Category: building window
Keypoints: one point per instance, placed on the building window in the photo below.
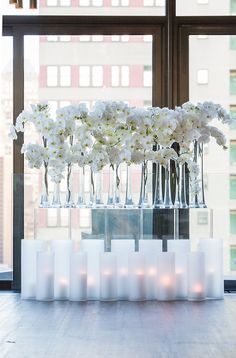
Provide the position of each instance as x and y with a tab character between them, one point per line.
65	2
233	114
51	2
120	3
84	3
120	76
52	38
97	38
147	76
147	38
202	218
232	149
84	76
159	3
65	38
202	77
233	222
202	2
65	76
52	76
232	187
232	42
147	104
117	38
233	258
97	76
233	82
84	38
233	7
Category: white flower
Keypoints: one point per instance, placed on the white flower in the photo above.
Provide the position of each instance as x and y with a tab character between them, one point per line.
12	133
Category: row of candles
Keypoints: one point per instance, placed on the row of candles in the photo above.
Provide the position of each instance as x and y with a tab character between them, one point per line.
65	271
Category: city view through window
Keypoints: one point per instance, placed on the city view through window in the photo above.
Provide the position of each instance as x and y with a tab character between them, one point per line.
64	70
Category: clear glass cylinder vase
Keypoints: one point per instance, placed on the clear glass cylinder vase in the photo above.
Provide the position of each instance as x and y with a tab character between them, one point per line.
158	194
44	201
182	186
98	189
56	200
81	194
168	204
117	200
143	197
110	197
197	199
92	198
129	203
69	203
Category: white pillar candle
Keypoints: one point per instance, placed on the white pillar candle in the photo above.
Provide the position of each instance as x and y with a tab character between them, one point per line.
166	276
93	248
181	248
78	276
45	276
137	285
62	250
196	276
150	249
29	249
213	250
122	248
108	276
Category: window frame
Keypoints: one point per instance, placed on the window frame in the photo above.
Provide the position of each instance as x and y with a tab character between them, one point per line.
170	58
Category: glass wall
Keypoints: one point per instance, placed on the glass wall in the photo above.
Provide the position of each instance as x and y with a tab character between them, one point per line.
205	7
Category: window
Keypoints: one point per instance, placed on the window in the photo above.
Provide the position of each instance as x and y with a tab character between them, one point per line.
202	2
51	2
65	76
52	76
84	76
97	76
233	82
52	38
233	7
232	42
233	114
202	77
120	76
202	218
97	38
154	3
233	222
85	38
120	3
233	258
65	2
65	38
202	37
232	149
147	76
232	187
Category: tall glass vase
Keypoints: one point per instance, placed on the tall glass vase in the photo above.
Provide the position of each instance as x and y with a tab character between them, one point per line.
198	198
92	201
69	203
177	185
81	195
182	186
117	200
110	197
98	189
167	195
56	200
128	191
158	194
44	201
143	197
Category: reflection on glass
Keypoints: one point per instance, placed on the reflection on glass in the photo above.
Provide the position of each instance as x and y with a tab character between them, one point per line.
218	85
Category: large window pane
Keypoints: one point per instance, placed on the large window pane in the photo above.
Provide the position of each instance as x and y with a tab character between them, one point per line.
219	165
205	7
6	160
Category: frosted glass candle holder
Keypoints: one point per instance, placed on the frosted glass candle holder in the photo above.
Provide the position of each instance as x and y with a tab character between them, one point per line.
29	249
108	276
122	248
150	249
213	250
45	276
181	248
166	276
62	250
93	248
78	276
196	276
137	284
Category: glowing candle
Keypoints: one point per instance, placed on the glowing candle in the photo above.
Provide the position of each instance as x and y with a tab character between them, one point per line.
108	276
196	276
137	285
78	276
45	276
166	276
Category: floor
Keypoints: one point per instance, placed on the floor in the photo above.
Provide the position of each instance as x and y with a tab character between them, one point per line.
33	329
